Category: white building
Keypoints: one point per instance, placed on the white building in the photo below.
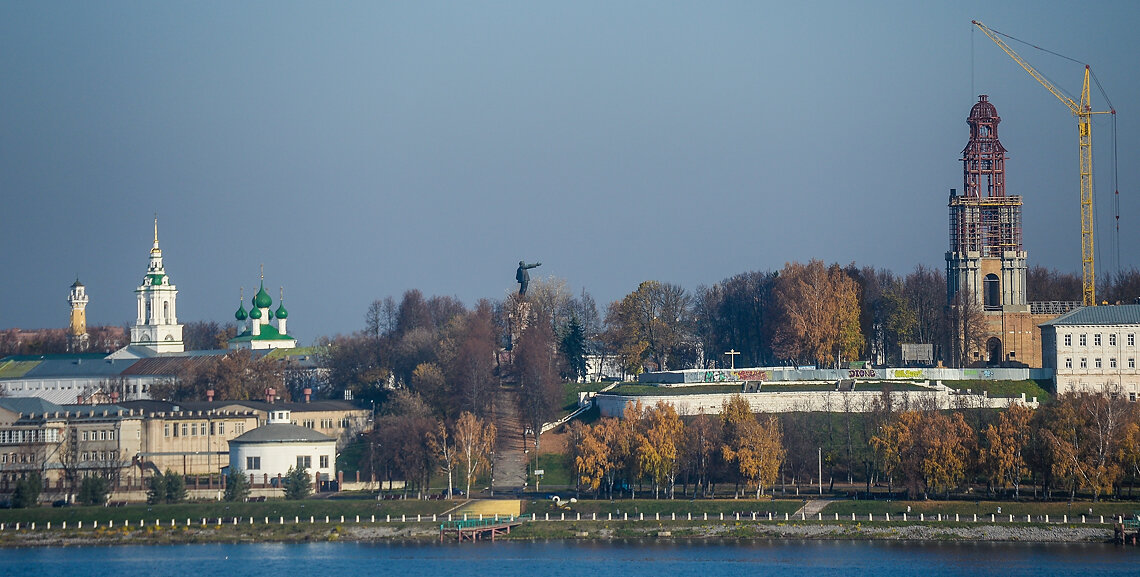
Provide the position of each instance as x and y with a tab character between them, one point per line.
156	329
1093	348
269	451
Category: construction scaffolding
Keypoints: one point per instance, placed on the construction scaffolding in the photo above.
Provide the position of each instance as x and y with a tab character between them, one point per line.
988	226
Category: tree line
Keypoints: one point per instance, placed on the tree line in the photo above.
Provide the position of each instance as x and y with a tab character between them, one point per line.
1079	443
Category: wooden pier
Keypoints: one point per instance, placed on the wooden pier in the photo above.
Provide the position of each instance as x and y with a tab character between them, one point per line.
476	529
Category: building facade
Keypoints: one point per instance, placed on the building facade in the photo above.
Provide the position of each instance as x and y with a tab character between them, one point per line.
1095	349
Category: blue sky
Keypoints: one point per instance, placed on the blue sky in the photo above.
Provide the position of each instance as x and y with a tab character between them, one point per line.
362	149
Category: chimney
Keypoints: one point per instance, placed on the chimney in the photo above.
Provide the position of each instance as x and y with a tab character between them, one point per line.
308	394
209	395
114	397
270	395
79	399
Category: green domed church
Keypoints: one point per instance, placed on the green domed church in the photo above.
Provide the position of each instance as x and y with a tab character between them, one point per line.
259	331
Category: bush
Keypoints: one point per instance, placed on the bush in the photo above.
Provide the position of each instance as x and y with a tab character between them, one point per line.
93	491
27	491
297	483
237	485
168	488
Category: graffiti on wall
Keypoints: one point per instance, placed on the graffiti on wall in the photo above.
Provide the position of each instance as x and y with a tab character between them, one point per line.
862	374
730	375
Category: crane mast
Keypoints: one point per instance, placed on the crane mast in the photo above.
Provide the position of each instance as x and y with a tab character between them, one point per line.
1083	111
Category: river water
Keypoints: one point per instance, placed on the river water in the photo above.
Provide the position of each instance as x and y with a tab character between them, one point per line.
578	559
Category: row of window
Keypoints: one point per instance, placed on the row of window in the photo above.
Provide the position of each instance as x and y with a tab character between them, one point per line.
325	423
303	462
1083	340
98	435
1098	364
199	429
99	455
19	436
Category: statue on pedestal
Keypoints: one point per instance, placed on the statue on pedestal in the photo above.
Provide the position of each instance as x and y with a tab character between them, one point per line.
523	277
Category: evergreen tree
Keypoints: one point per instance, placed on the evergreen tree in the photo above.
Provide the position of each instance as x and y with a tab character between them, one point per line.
573	349
156	489
27	491
237	485
175	487
93	491
297	483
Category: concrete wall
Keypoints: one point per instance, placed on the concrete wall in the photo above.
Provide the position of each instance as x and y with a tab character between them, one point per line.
780	374
828	401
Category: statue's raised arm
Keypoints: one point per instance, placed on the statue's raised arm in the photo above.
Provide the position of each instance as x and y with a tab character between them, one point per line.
522	276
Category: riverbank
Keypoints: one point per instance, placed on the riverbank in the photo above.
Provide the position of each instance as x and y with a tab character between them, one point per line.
569	530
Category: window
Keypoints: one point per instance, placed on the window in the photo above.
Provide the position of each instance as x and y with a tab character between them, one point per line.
239	428
1084	340
102	435
1096	363
185	430
176	429
1068	363
1112	363
111	435
1132	363
304	462
1112	340
1084	363
1096	340
222	428
252	463
1131	339
84	435
324	461
166	430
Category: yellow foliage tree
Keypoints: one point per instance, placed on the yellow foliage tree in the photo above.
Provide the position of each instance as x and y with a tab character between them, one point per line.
818	307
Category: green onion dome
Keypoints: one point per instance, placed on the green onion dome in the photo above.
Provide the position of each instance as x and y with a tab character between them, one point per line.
240	314
281	312
255	313
262	299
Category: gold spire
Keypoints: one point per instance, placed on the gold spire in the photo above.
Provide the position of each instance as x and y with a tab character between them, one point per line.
155	248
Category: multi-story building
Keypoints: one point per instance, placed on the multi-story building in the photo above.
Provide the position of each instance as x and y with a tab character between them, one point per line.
1094	349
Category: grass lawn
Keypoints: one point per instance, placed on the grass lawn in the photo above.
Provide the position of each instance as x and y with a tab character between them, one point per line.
1031	388
570	395
663	507
969	508
196	511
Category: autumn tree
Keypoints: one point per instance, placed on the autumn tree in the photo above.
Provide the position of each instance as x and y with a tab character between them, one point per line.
735	314
947	443
701	452
536	371
652	324
754	446
443	442
593	462
968	328
658	446
475	442
1002	454
818	314
357	364
472	368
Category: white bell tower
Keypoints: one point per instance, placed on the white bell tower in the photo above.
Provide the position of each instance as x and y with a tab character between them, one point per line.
156	326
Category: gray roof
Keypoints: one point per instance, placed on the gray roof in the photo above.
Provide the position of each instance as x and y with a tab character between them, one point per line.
1102	315
80	368
282	433
29	405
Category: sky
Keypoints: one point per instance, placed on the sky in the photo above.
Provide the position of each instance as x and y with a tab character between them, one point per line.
358	150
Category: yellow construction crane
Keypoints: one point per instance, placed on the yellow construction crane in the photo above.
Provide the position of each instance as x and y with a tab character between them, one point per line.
1083	111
